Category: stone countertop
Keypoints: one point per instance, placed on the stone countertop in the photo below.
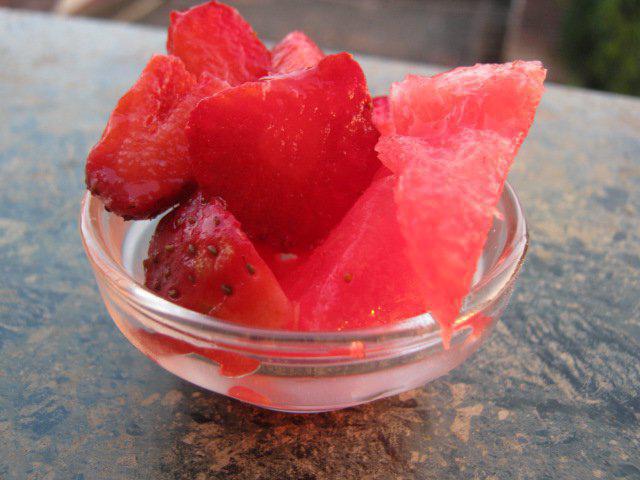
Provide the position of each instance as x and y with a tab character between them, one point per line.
555	392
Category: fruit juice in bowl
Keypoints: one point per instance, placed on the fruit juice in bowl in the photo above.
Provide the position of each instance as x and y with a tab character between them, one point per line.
401	242
294	371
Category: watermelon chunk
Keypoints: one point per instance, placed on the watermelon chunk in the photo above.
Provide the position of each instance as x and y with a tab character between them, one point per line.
214	38
282	264
361	275
456	137
140	166
446	198
381	115
290	154
296	51
200	258
501	98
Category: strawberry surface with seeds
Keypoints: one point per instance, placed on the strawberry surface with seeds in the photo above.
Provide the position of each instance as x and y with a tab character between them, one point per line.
200	258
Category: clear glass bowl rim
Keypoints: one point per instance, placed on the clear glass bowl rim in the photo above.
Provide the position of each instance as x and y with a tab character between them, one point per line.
421	330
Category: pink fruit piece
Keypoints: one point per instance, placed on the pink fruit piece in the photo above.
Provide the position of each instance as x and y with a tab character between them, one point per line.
496	97
140	166
296	51
381	116
361	275
454	139
446	197
200	258
290	154
215	39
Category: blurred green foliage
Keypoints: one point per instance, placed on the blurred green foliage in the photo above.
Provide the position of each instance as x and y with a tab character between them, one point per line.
602	44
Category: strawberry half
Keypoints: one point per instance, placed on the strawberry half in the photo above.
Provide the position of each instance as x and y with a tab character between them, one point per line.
290	154
215	39
140	165
200	258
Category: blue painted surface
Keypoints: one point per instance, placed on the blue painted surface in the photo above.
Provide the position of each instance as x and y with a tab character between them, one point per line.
554	394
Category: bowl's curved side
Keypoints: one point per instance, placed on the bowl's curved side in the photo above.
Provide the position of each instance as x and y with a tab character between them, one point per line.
298	371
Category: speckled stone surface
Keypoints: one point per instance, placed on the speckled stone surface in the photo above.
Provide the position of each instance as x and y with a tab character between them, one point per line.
554	394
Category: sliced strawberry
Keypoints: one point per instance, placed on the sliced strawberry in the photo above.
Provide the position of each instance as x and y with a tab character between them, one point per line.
290	154
296	51
361	275
200	258
214	38
140	166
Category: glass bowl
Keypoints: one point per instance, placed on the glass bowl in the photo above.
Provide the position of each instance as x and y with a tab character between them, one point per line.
295	371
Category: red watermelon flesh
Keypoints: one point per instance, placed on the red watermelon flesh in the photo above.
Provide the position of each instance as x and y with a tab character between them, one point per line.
215	39
456	137
360	276
497	97
290	154
382	116
200	258
140	166
446	197
296	51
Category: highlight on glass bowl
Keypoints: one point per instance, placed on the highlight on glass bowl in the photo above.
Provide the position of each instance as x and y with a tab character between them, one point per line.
260	226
